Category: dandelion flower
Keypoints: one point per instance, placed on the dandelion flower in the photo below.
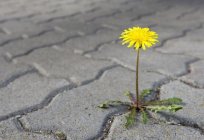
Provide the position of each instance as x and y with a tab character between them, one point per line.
138	37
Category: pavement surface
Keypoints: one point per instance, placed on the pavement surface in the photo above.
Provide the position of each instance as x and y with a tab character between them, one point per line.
60	58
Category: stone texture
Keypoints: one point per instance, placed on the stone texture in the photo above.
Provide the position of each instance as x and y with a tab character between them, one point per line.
186	45
196	75
193	99
90	42
9	70
75	111
8	131
150	60
48	39
65	64
153	130
60	58
26	91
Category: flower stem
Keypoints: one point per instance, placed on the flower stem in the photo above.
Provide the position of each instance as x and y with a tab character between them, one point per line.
137	78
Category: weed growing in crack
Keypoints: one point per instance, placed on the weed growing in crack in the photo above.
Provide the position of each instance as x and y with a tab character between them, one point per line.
142	38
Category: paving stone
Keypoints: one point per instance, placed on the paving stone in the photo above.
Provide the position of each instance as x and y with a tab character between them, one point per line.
22	28
48	39
150	60
52	36
64	63
8	131
76	120
72	25
27	91
196	74
5	38
165	33
185	45
153	130
9	70
90	42
193	111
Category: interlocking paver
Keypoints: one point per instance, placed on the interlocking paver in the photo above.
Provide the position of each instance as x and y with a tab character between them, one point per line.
20	28
48	39
8	70
92	41
64	63
8	131
191	44
84	120
60	59
150	60
153	130
193	103
196	75
27	91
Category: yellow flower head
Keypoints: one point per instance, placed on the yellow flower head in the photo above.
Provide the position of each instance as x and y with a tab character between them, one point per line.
139	37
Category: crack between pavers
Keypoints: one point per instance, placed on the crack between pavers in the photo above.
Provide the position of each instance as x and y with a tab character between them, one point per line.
18	18
183	34
187	13
180	121
21	126
139	17
16	76
107	123
93	10
106	126
103	16
56	43
48	99
156	87
44	46
59	17
3	44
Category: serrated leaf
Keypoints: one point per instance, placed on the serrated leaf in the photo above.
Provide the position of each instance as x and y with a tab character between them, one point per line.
145	93
107	104
144	117
130	96
169	101
158	108
130	119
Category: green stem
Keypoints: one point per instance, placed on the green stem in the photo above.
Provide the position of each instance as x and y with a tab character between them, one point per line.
137	78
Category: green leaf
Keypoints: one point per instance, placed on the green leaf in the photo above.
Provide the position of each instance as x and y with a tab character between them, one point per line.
130	119
144	93
158	108
129	95
169	101
107	104
144	117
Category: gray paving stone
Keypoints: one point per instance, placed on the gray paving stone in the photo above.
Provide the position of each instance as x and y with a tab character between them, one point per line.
76	120
8	131
48	39
192	113
27	91
9	70
197	15
153	130
69	25
90	26
189	45
22	28
5	38
196	74
64	63
90	42
150	60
